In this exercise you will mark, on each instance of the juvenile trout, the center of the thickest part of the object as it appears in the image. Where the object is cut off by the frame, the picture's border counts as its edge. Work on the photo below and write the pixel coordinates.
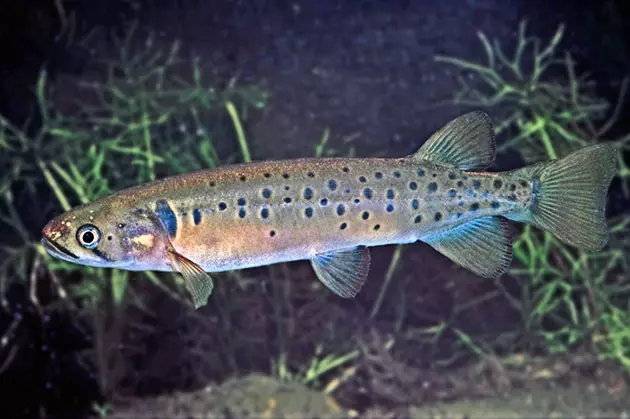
(330, 210)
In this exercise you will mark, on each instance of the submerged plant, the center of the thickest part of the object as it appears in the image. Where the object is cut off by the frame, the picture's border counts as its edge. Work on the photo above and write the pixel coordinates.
(567, 297)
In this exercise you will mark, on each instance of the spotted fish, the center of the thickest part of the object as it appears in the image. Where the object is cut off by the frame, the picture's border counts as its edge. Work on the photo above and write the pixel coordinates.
(330, 210)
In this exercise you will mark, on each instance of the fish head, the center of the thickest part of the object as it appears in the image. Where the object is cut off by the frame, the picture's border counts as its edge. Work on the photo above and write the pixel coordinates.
(108, 234)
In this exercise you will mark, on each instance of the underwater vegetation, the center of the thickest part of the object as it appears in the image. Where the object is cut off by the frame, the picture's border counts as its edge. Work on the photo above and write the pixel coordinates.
(148, 113)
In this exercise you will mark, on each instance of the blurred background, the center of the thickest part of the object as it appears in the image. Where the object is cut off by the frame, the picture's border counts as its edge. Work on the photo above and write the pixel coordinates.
(99, 95)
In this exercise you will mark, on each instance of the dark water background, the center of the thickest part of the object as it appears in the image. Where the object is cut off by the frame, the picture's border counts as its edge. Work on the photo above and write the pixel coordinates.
(362, 68)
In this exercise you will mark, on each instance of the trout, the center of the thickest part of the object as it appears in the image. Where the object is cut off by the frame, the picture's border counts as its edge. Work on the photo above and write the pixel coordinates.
(330, 210)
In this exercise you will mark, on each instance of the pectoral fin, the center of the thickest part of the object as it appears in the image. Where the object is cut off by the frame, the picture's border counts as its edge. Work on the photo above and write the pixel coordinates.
(344, 272)
(198, 282)
(483, 246)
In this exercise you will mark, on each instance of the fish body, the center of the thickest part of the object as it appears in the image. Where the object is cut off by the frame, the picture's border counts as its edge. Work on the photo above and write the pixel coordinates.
(329, 210)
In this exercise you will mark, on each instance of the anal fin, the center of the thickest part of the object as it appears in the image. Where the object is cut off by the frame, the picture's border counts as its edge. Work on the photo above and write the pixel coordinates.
(344, 272)
(198, 283)
(483, 246)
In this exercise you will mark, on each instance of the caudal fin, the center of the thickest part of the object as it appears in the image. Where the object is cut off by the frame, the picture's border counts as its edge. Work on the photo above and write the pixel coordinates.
(569, 196)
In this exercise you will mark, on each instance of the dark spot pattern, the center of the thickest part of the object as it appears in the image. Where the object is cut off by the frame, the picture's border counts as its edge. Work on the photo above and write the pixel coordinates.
(452, 176)
(287, 200)
(421, 172)
(495, 204)
(308, 193)
(413, 186)
(213, 184)
(523, 183)
(474, 206)
(377, 227)
(343, 226)
(164, 211)
(287, 187)
(196, 216)
(378, 175)
(390, 194)
(362, 179)
(512, 197)
(476, 184)
(396, 173)
(308, 212)
(241, 201)
(497, 183)
(459, 215)
(341, 209)
(417, 219)
(437, 216)
(264, 213)
(323, 202)
(267, 175)
(310, 174)
(345, 169)
(433, 187)
(460, 183)
(461, 203)
(357, 200)
(390, 208)
(222, 206)
(332, 184)
(452, 193)
(367, 192)
(272, 233)
(266, 193)
(242, 213)
(513, 187)
(243, 178)
(365, 215)
(415, 204)
(285, 175)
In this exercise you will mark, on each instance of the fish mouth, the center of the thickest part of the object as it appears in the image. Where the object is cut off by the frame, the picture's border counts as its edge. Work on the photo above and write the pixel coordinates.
(56, 249)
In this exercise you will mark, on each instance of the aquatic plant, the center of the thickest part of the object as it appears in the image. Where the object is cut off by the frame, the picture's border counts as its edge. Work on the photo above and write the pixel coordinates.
(566, 298)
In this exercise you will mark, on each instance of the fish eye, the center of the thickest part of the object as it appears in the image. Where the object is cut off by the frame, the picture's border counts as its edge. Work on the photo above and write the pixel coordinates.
(89, 236)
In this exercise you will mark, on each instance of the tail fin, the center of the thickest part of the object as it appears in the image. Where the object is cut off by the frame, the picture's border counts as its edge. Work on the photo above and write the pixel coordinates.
(569, 196)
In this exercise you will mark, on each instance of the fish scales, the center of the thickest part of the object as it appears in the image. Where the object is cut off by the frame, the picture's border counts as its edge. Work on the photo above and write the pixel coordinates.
(329, 210)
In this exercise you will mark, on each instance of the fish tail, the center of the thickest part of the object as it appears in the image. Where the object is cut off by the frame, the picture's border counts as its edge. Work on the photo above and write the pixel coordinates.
(569, 196)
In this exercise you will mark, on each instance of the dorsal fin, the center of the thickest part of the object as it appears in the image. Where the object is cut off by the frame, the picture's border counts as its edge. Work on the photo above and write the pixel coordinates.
(467, 142)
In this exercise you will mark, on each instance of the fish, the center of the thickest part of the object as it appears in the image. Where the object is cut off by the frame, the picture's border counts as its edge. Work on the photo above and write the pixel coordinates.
(331, 210)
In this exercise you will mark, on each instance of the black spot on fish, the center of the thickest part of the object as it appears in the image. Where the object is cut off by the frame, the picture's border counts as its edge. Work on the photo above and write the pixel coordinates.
(164, 211)
(460, 183)
(308, 212)
(432, 187)
(332, 185)
(267, 175)
(452, 193)
(367, 192)
(495, 204)
(452, 175)
(357, 200)
(474, 206)
(390, 208)
(196, 216)
(109, 238)
(476, 184)
(415, 204)
(324, 202)
(396, 174)
(421, 172)
(308, 193)
(390, 194)
(287, 187)
(512, 187)
(241, 201)
(437, 216)
(264, 213)
(222, 206)
(434, 175)
(512, 197)
(365, 215)
(310, 174)
(266, 193)
(459, 215)
(362, 179)
(287, 200)
(377, 227)
(413, 186)
(285, 175)
(242, 213)
(461, 203)
(417, 219)
(343, 226)
(272, 233)
(341, 209)
(243, 178)
(523, 183)
(378, 175)
(497, 183)
(213, 184)
(347, 190)
(345, 169)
